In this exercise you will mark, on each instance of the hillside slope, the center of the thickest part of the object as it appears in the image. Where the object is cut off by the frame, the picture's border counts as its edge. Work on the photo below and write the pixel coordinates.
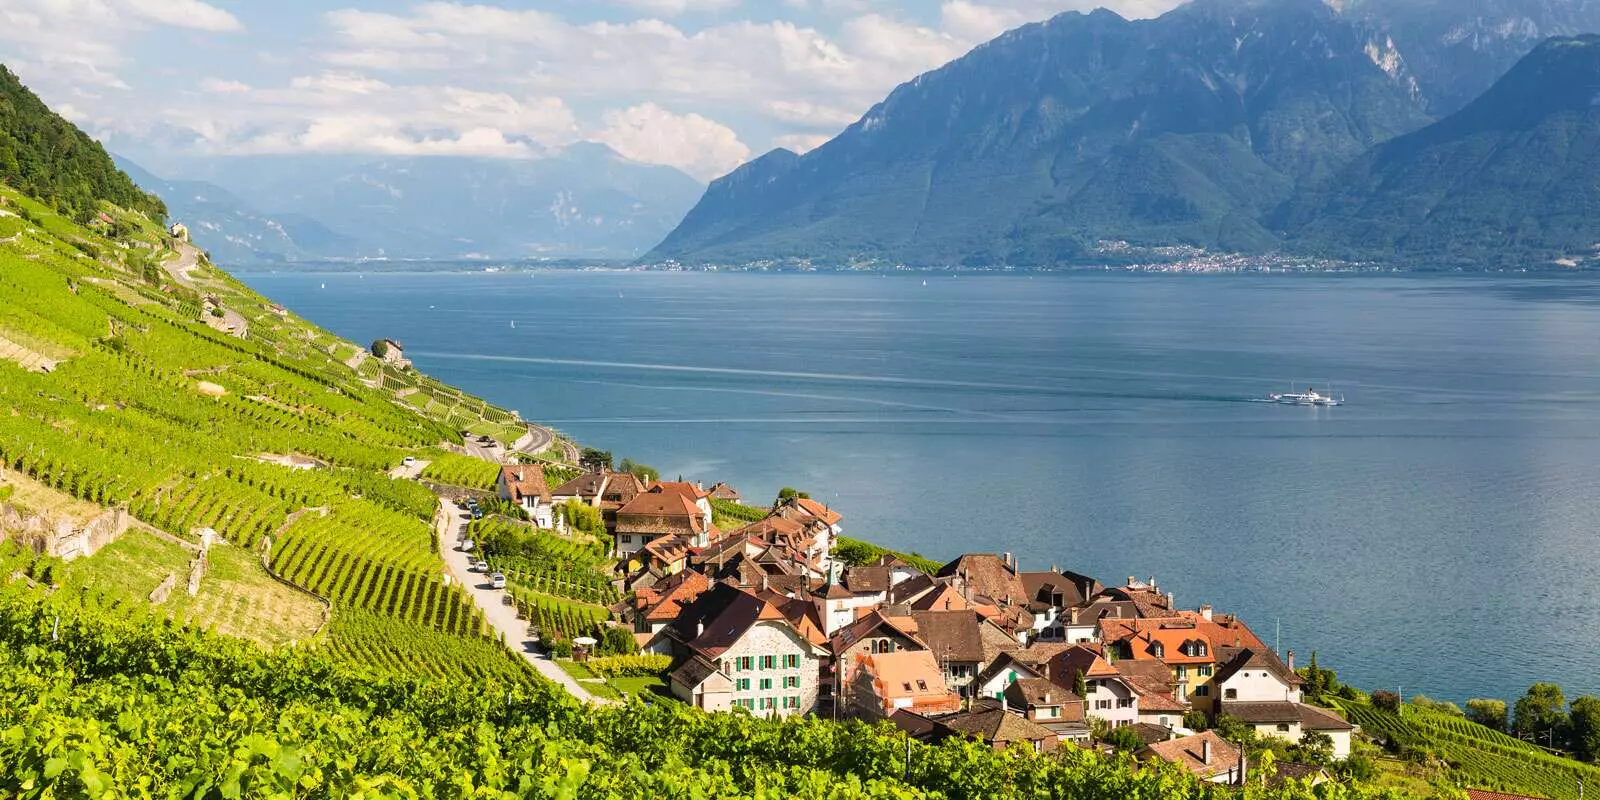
(1508, 180)
(1186, 128)
(50, 159)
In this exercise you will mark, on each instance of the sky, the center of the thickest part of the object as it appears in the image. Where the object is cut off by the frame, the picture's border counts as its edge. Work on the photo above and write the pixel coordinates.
(701, 85)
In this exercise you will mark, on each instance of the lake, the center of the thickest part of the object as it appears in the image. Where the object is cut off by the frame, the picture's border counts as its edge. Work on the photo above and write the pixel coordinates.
(1438, 533)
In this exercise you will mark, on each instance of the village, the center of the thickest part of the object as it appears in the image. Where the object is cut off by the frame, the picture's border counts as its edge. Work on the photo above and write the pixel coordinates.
(782, 616)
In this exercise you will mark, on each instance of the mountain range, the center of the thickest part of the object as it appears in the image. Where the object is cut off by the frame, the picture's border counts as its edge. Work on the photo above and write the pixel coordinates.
(584, 202)
(1253, 126)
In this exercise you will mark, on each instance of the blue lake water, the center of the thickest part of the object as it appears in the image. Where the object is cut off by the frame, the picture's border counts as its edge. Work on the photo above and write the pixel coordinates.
(1441, 532)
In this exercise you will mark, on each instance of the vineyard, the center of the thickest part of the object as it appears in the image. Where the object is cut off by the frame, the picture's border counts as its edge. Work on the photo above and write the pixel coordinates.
(457, 470)
(98, 701)
(1478, 757)
(184, 426)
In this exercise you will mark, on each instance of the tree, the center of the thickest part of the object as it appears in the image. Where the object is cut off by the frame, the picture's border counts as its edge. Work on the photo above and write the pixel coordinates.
(380, 348)
(1385, 700)
(1314, 686)
(1080, 687)
(1583, 729)
(1487, 712)
(1315, 747)
(1541, 710)
(789, 493)
(595, 460)
(1195, 720)
(1123, 740)
(643, 472)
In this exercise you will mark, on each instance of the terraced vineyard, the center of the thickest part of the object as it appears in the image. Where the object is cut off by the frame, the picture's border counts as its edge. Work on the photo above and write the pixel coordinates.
(1479, 757)
(182, 425)
(458, 470)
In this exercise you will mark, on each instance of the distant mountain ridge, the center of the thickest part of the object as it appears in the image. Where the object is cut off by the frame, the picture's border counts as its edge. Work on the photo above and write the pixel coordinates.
(1203, 127)
(586, 201)
(1185, 128)
(1510, 180)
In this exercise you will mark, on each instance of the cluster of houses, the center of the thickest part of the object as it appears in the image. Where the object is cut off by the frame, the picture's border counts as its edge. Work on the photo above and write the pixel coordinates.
(764, 618)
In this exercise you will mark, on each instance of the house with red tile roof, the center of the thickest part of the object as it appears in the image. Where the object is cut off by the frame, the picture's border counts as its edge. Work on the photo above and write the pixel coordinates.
(905, 680)
(1290, 721)
(605, 490)
(722, 491)
(654, 608)
(524, 485)
(1183, 645)
(964, 644)
(1209, 756)
(735, 649)
(658, 514)
(875, 632)
(1107, 695)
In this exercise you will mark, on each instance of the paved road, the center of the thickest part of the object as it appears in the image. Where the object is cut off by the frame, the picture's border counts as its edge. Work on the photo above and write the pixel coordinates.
(501, 616)
(181, 269)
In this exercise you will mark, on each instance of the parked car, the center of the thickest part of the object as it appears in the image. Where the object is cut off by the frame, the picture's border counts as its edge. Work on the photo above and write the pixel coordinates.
(477, 513)
(408, 461)
(466, 545)
(497, 581)
(480, 566)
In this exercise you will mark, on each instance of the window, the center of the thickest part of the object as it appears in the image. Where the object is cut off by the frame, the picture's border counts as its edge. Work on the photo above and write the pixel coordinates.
(1204, 690)
(791, 661)
(741, 685)
(1049, 712)
(746, 663)
(792, 701)
(1158, 651)
(766, 684)
(1091, 687)
(1102, 705)
(627, 539)
(1283, 727)
(905, 687)
(1124, 702)
(1230, 694)
(1181, 673)
(922, 685)
(746, 703)
(1204, 670)
(768, 703)
(769, 662)
(791, 682)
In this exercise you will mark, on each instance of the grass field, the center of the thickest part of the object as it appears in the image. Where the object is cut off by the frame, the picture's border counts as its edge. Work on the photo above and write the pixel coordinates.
(236, 597)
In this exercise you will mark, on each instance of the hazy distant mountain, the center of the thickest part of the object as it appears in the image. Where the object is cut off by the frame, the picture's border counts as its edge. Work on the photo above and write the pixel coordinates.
(1457, 49)
(233, 231)
(1508, 180)
(585, 202)
(1187, 128)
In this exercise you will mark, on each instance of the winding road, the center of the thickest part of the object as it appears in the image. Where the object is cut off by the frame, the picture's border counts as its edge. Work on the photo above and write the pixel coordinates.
(181, 270)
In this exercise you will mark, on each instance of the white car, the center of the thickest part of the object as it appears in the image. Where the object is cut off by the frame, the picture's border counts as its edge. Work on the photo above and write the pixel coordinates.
(480, 566)
(497, 581)
(408, 461)
(466, 545)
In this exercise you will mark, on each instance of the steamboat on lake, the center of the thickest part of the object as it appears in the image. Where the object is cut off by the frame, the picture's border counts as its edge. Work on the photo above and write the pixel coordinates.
(1310, 397)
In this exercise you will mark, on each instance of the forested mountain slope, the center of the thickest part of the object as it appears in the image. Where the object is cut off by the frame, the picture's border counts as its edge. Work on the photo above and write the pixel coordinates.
(49, 158)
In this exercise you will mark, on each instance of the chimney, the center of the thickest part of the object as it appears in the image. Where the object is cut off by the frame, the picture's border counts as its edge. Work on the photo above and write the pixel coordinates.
(1171, 602)
(1205, 751)
(1072, 616)
(700, 629)
(1205, 612)
(1291, 661)
(1132, 580)
(1152, 583)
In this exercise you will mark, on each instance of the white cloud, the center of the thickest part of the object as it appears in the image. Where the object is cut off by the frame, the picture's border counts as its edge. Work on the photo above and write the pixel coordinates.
(339, 83)
(219, 86)
(649, 133)
(673, 8)
(185, 14)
